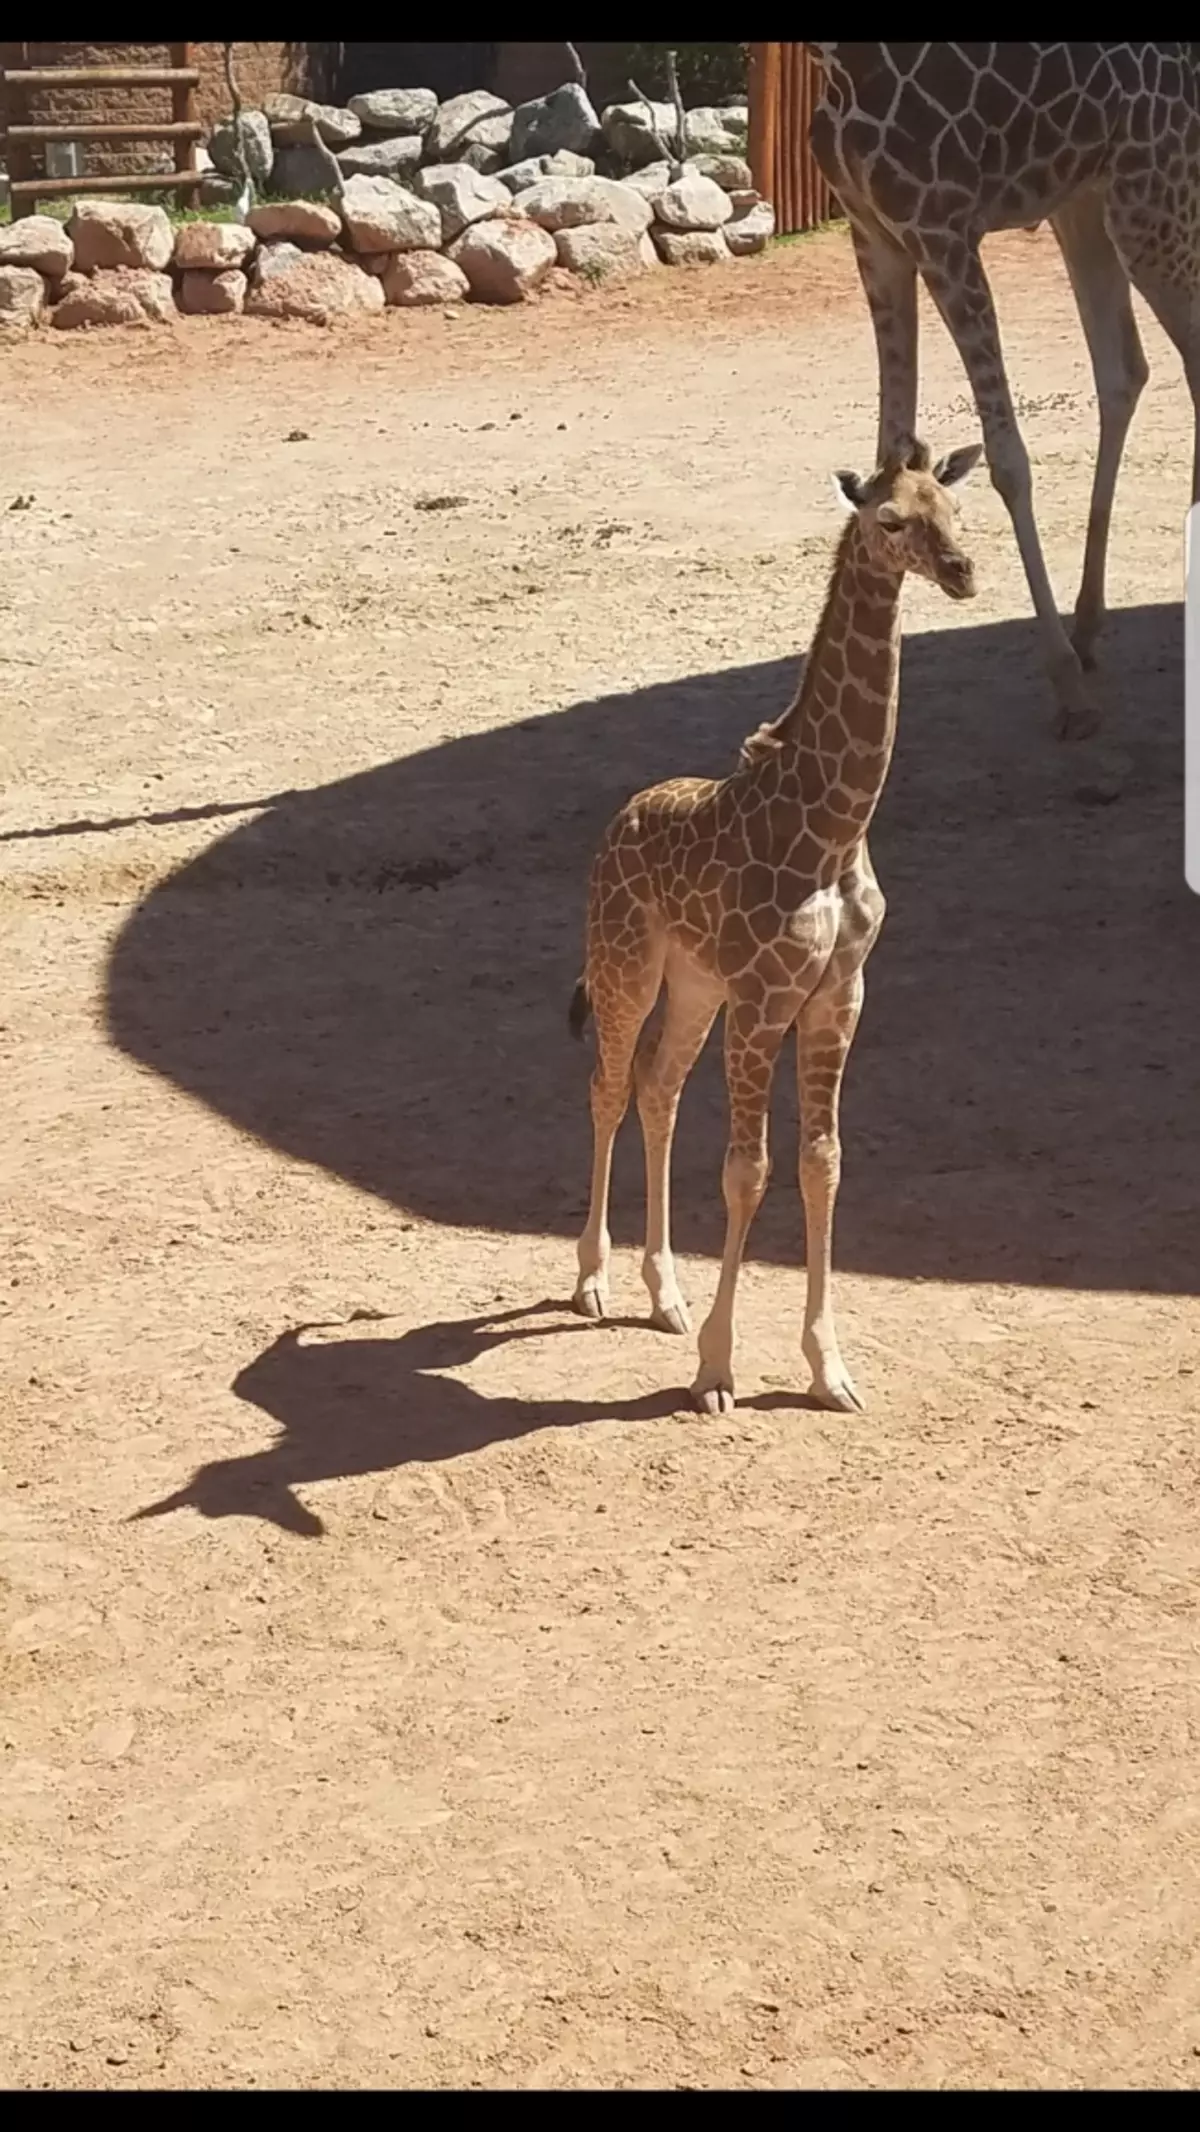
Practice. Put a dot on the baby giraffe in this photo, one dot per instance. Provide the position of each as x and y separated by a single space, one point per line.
757 894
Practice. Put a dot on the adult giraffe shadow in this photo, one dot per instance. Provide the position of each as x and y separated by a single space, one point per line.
373 976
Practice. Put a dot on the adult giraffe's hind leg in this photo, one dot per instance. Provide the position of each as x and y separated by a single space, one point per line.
1101 286
693 1000
958 285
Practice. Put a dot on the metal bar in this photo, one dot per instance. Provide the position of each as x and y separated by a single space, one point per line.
183 110
102 77
144 181
167 131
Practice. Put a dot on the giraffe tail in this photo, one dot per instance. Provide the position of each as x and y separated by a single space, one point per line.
579 1011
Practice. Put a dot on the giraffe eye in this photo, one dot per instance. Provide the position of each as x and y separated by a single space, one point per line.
889 519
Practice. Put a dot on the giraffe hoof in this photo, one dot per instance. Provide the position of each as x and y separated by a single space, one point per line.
713 1399
590 1304
838 1396
1078 722
671 1318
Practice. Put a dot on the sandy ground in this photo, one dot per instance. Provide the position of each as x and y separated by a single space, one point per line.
427 1697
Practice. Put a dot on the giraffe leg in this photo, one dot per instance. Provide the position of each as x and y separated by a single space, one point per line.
621 1002
889 279
1120 369
824 1034
751 1050
1163 270
692 1005
958 285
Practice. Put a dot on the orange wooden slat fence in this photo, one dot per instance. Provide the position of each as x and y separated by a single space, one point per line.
183 129
785 87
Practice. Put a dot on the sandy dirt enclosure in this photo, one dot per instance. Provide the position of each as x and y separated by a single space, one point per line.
425 1696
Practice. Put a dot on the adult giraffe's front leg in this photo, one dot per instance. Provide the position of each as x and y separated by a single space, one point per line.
889 279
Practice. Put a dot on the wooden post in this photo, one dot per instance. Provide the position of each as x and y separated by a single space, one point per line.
784 90
19 158
764 116
183 107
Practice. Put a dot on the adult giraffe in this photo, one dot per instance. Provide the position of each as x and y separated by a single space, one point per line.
930 147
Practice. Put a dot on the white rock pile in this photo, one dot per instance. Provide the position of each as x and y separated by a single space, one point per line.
432 204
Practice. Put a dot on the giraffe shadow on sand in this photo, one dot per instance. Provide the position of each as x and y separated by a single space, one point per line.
374 976
358 1405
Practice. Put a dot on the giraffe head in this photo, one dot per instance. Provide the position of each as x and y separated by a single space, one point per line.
909 516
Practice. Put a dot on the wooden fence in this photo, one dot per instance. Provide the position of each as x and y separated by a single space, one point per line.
785 87
182 129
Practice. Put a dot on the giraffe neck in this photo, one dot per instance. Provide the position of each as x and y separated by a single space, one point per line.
835 741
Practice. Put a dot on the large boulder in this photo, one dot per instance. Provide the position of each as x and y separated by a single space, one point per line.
651 180
630 131
691 247
299 172
22 300
713 130
395 110
456 119
397 157
567 203
38 242
120 233
519 176
461 195
693 202
731 172
414 278
381 217
505 262
212 245
290 119
212 295
750 227
600 252
303 221
564 163
257 147
487 146
316 287
564 119
629 208
116 296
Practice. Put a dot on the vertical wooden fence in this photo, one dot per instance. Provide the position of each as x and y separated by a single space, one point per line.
182 129
785 87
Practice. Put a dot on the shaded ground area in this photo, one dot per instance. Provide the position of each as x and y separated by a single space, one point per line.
397 1686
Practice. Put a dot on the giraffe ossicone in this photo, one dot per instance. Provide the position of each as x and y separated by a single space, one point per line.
756 893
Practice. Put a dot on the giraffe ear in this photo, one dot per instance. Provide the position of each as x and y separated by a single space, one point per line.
848 488
957 465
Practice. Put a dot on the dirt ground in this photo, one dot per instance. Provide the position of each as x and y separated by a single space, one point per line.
426 1697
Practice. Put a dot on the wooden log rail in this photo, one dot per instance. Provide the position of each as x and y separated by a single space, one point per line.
183 129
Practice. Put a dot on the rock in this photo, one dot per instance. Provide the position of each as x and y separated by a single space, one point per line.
396 158
567 203
315 287
749 232
37 241
289 118
564 163
116 296
504 261
564 119
276 259
646 252
423 278
212 295
519 176
119 233
486 146
212 245
304 221
650 182
299 172
257 148
600 251
716 132
627 129
460 194
376 263
456 119
629 208
381 217
218 192
395 110
693 202
22 300
698 247
731 172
